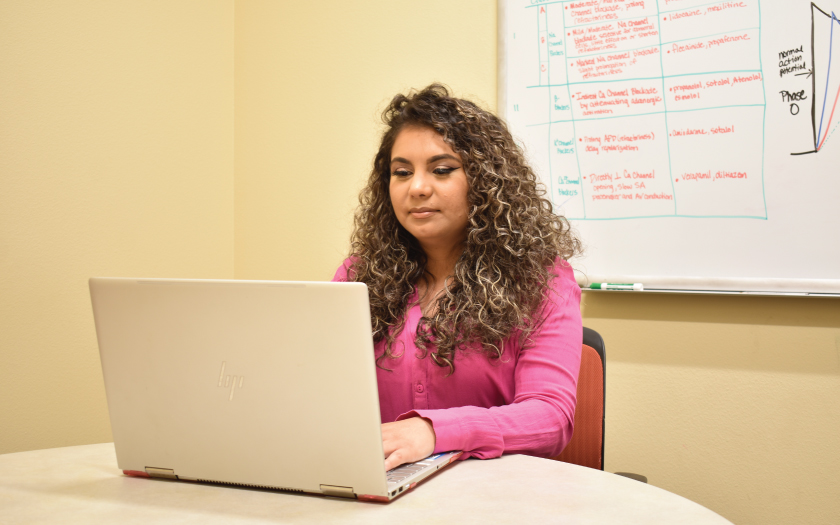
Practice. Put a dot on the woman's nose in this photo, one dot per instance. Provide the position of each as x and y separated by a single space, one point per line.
420 185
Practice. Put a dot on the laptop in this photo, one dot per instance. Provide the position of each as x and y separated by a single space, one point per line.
262 384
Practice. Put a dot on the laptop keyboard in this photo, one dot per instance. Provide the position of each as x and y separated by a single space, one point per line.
401 473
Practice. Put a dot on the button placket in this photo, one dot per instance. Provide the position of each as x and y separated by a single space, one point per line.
418 374
421 385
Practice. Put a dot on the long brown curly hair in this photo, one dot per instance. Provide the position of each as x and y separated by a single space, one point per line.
512 242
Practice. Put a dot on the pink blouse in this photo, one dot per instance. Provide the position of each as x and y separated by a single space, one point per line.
523 403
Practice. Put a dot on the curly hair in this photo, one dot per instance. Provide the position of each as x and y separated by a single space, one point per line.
513 237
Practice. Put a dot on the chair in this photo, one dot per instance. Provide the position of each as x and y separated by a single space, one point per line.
587 445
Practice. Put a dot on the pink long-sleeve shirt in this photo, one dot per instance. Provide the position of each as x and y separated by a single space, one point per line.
523 403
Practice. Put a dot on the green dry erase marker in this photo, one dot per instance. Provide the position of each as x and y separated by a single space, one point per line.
616 286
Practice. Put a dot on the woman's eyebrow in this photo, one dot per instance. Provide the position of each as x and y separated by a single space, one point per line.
441 157
400 159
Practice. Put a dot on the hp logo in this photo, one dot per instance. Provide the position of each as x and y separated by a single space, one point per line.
226 381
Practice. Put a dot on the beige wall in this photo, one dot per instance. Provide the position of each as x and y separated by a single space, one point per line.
311 82
729 401
116 117
116 158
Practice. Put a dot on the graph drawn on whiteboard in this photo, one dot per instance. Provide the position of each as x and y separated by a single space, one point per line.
825 83
643 110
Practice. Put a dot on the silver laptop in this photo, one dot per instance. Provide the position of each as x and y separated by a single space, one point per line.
259 383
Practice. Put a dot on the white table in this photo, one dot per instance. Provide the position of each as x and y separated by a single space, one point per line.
83 485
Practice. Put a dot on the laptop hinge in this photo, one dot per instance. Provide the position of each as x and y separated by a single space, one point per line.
341 492
155 472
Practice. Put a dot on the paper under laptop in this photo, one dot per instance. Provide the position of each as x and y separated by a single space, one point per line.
259 383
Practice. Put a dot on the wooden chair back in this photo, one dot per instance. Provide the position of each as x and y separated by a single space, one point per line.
587 445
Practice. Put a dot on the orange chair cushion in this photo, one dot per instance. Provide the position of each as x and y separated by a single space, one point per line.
585 446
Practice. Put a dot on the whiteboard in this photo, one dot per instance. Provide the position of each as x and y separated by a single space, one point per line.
692 144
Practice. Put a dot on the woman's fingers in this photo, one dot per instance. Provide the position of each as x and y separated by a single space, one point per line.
394 460
407 441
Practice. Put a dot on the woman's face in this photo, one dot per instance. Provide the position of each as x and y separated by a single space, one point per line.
428 188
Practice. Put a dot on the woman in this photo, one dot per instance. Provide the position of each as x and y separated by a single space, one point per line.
475 312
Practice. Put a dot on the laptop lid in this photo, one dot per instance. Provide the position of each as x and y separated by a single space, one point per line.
252 382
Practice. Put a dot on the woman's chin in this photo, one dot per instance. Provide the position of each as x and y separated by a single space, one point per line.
438 240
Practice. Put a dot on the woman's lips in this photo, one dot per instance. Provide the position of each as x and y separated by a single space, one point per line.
422 213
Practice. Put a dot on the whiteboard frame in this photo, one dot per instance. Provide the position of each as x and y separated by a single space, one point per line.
501 53
501 67
690 285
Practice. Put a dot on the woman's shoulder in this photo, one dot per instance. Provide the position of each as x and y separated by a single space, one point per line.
345 271
563 272
563 285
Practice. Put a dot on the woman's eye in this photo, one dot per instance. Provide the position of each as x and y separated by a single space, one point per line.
443 170
400 173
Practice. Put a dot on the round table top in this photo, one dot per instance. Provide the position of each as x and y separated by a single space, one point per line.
83 485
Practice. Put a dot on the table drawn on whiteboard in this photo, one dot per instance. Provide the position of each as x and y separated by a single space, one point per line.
692 144
633 97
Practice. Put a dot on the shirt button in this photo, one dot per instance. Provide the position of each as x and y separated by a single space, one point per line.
419 389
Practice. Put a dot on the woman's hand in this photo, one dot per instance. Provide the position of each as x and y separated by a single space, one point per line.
407 441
